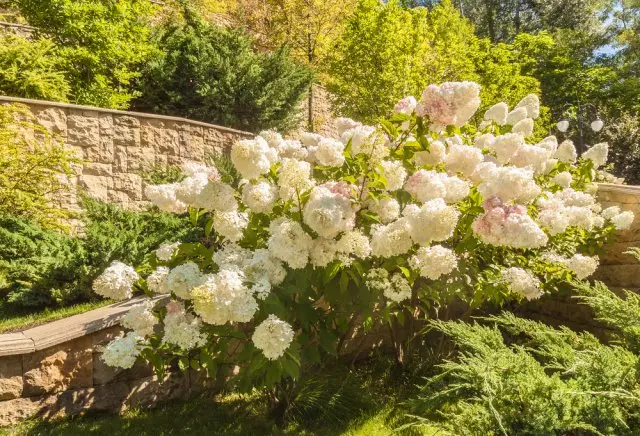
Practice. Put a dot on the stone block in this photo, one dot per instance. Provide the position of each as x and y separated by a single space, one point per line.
192 143
623 276
126 131
120 160
134 159
97 186
131 184
97 169
10 377
104 374
104 336
614 254
53 118
61 367
120 198
19 409
148 391
82 131
160 135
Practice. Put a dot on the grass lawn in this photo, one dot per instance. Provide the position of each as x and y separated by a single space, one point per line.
235 414
12 320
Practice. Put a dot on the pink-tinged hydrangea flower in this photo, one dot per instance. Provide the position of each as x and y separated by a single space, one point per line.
508 226
451 103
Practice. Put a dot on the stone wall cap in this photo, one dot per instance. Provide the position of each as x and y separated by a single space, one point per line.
28 101
613 187
66 329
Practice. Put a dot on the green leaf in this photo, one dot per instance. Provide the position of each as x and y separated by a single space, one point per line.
344 281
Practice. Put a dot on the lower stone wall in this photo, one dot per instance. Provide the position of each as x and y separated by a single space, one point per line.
71 377
45 374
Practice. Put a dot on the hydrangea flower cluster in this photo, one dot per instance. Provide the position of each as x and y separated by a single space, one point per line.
373 220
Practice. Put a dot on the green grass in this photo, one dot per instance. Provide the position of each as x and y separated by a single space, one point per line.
12 320
233 414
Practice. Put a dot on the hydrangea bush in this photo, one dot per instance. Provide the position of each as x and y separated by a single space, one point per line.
379 225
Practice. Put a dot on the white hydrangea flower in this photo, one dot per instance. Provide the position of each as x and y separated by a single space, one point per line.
260 197
387 209
434 262
506 146
323 252
294 174
263 264
510 183
436 154
165 251
394 172
497 113
426 185
462 159
523 127
582 266
353 244
273 336
253 157
343 124
294 149
550 143
289 243
310 139
183 278
483 172
232 255
216 196
116 281
566 152
273 138
531 156
224 298
563 179
611 212
484 141
122 352
623 220
531 103
392 239
597 154
140 319
328 213
516 115
231 224
433 222
164 197
190 188
522 282
158 280
329 152
181 328
396 289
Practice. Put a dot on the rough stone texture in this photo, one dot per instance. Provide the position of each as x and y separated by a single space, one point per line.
323 116
616 268
10 377
117 147
59 368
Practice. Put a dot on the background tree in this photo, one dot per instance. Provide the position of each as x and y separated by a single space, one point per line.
393 51
308 28
101 43
213 74
31 69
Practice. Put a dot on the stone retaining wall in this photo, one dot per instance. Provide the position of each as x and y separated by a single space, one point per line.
617 269
56 370
117 146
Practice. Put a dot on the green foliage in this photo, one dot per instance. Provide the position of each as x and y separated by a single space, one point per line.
40 267
33 168
388 52
31 69
101 44
517 376
623 135
158 174
214 74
